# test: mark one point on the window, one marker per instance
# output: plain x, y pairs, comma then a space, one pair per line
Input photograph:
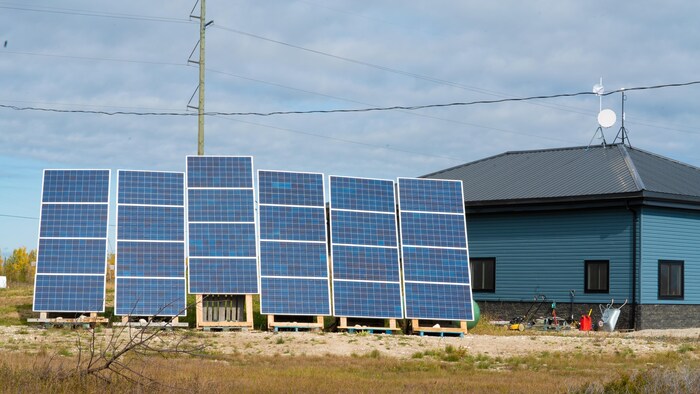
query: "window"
670, 279
597, 276
483, 272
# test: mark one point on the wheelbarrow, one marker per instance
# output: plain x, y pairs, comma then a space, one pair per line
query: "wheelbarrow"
610, 314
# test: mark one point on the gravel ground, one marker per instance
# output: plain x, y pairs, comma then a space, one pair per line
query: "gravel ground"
33, 339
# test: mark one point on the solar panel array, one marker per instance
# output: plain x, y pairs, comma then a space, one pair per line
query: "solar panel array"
294, 276
221, 222
434, 250
72, 253
366, 278
150, 264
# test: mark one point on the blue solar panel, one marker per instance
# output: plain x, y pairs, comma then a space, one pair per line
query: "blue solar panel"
431, 195
151, 188
432, 229
294, 296
220, 171
438, 301
362, 194
363, 228
150, 297
76, 186
72, 254
221, 220
158, 259
434, 250
290, 188
151, 223
73, 221
223, 276
222, 240
294, 259
293, 251
69, 293
150, 244
366, 280
221, 205
436, 265
292, 223
366, 299
363, 263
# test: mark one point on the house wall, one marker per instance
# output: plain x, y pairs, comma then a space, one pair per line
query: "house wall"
544, 253
669, 234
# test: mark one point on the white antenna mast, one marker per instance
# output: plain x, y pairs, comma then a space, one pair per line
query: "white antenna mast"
606, 117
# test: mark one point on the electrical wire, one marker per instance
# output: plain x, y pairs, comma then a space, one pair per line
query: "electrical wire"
351, 110
69, 11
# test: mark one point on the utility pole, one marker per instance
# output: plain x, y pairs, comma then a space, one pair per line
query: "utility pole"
200, 105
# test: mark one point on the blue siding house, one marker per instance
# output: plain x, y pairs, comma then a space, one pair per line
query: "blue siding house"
582, 226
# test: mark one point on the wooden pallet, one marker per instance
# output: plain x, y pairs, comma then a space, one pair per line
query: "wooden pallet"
149, 321
276, 326
379, 327
422, 330
85, 321
223, 313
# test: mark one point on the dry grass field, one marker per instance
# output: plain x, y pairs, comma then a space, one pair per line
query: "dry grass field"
489, 359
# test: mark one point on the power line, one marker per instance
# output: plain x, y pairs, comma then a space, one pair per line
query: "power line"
350, 110
99, 14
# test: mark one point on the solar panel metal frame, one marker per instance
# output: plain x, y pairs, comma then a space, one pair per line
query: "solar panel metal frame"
470, 307
396, 233
325, 242
39, 238
253, 222
161, 312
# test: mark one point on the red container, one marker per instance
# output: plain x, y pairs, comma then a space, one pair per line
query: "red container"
585, 323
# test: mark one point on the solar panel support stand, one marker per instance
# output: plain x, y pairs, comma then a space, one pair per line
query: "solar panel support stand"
422, 330
379, 327
293, 325
223, 314
140, 321
46, 319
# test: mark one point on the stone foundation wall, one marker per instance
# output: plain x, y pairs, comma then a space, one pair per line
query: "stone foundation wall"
667, 316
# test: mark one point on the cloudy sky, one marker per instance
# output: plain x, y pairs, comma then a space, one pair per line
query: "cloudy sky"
297, 55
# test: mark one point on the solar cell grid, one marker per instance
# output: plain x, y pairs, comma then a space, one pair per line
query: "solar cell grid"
81, 186
71, 256
220, 171
434, 250
151, 188
366, 281
294, 296
431, 195
363, 228
72, 249
221, 205
293, 252
285, 223
221, 221
223, 276
150, 264
290, 188
361, 194
73, 221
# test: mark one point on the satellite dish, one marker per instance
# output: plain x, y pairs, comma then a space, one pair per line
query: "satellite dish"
606, 118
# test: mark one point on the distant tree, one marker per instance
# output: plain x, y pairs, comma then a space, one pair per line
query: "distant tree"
18, 267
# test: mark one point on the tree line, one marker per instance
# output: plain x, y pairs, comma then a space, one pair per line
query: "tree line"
19, 266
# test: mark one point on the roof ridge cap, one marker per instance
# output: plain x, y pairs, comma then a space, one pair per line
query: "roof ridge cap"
638, 181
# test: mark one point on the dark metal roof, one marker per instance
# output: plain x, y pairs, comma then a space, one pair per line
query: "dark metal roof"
592, 172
